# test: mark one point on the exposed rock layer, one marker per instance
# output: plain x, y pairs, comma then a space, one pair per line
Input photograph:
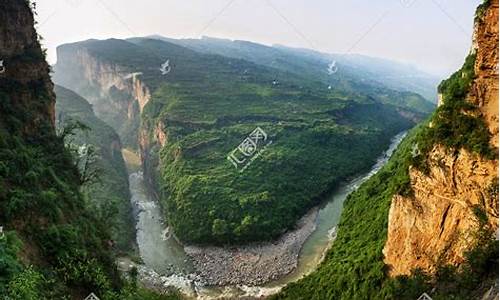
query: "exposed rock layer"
436, 224
23, 71
117, 95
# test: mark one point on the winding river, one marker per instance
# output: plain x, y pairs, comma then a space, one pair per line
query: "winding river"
166, 262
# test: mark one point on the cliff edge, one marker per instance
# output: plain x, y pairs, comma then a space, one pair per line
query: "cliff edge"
436, 224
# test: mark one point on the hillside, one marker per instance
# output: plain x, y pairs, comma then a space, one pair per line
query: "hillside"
427, 221
108, 193
51, 246
358, 71
188, 121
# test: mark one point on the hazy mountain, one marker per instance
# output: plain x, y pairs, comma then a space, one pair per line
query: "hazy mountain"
348, 67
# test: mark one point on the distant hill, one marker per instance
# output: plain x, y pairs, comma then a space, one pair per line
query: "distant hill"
363, 70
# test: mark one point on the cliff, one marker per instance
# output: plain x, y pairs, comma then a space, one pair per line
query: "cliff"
436, 224
117, 94
425, 221
203, 109
24, 77
47, 232
109, 196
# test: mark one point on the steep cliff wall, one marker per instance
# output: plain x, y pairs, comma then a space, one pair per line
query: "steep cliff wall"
436, 224
117, 95
150, 142
48, 236
111, 193
24, 75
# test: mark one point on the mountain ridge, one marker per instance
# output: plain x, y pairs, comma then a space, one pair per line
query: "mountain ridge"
372, 68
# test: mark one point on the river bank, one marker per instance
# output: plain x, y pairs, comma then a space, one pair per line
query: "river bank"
252, 264
248, 272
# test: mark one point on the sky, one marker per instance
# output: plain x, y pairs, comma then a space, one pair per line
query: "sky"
433, 35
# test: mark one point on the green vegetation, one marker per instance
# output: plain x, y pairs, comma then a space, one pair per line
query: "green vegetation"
108, 197
456, 123
39, 190
52, 246
353, 71
482, 9
46, 219
354, 267
329, 135
270, 195
208, 104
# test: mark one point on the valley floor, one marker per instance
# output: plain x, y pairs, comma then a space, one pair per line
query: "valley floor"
256, 263
248, 271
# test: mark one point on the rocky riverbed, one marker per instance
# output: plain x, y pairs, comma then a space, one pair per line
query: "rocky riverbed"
252, 264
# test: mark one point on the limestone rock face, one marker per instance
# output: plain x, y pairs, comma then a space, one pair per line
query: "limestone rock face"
484, 92
117, 95
24, 73
436, 224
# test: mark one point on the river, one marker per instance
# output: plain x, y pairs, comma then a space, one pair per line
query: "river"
164, 259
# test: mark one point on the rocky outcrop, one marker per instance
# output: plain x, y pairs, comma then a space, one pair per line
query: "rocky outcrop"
150, 143
23, 71
118, 95
484, 92
437, 223
440, 99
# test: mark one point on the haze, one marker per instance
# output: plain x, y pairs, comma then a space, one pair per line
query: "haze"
433, 35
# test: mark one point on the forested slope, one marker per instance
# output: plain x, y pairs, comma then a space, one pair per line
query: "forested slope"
51, 246
100, 149
190, 119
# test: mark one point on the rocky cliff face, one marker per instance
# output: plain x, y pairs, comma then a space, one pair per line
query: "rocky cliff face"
436, 224
118, 96
484, 92
23, 70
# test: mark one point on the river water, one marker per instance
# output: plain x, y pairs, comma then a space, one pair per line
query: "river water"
162, 253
